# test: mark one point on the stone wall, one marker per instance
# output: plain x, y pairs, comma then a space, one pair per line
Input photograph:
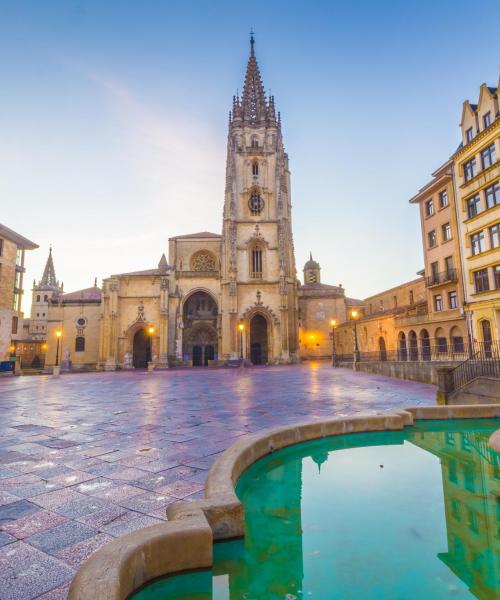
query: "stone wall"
424, 371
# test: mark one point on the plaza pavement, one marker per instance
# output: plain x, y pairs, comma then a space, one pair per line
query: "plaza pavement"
89, 457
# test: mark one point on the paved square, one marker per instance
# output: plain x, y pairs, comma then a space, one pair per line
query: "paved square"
85, 458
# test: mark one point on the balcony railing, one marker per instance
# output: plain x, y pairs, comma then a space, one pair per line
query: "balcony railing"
448, 276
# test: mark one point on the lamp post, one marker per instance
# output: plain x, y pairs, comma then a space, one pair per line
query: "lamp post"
354, 317
333, 323
58, 336
151, 332
241, 328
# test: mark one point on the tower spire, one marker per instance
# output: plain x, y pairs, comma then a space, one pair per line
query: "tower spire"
49, 274
253, 100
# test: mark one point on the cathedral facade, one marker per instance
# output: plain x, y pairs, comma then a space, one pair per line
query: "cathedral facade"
218, 297
225, 296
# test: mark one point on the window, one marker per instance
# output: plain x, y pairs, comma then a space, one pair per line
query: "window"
496, 276
457, 342
80, 344
429, 207
37, 314
411, 296
255, 203
495, 236
442, 345
487, 120
481, 281
446, 229
432, 237
473, 206
438, 302
255, 168
452, 300
15, 322
1, 247
488, 156
255, 142
38, 298
443, 199
395, 299
477, 243
450, 270
256, 263
434, 273
492, 195
469, 134
470, 169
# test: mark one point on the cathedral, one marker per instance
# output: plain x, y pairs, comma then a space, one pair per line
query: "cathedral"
219, 298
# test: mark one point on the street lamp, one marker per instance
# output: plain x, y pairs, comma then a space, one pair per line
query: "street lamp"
333, 323
354, 317
58, 336
241, 328
151, 331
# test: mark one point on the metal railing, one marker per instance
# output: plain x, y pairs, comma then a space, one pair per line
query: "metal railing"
484, 362
444, 277
428, 350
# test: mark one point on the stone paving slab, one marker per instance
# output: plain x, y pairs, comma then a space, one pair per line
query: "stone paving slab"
86, 458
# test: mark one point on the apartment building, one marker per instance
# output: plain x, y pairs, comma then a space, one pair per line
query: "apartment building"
12, 254
477, 183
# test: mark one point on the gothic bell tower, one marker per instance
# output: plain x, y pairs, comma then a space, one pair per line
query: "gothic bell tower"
258, 275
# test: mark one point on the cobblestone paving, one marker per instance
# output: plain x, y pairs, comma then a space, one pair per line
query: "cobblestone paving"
86, 458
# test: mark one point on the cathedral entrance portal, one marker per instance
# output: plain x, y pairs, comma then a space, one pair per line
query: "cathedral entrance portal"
141, 349
200, 329
258, 340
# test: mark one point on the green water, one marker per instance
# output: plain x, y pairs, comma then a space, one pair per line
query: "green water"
404, 515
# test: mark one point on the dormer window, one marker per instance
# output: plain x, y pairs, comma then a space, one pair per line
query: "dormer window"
487, 120
255, 142
255, 168
469, 134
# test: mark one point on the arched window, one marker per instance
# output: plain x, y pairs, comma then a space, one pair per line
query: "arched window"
255, 168
403, 351
80, 344
255, 203
45, 298
38, 298
457, 340
425, 345
256, 266
441, 341
255, 142
412, 338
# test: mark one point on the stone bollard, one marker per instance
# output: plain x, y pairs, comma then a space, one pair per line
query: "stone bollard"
445, 384
151, 367
56, 371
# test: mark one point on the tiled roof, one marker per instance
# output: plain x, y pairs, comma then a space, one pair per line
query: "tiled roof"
201, 234
354, 302
21, 241
145, 272
91, 294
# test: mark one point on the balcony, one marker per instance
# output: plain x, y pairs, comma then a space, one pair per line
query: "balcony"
413, 314
448, 276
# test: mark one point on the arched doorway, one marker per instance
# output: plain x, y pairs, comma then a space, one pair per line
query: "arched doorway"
412, 338
258, 340
403, 352
425, 345
141, 349
382, 348
200, 329
487, 339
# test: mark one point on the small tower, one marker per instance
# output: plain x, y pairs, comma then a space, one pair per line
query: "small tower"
42, 293
312, 271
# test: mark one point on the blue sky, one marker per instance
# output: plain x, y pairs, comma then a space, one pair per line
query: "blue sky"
114, 119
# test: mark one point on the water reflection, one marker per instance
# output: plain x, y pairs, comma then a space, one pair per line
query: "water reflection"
357, 517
